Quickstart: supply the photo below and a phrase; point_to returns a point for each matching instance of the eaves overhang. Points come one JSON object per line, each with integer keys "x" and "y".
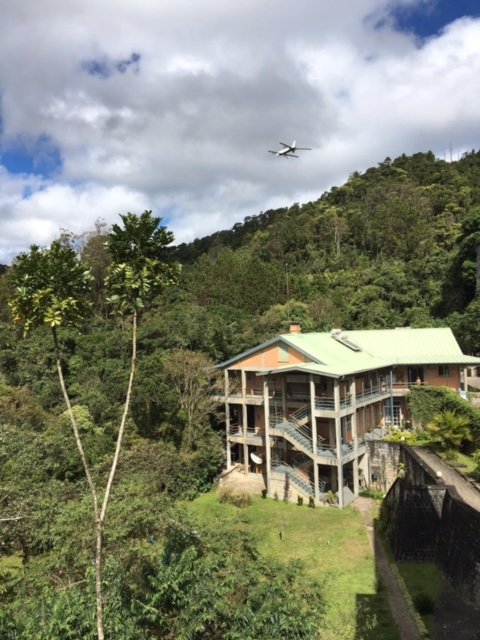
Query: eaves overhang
{"x": 328, "y": 371}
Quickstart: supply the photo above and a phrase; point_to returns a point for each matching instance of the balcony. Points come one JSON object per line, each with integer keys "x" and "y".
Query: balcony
{"x": 373, "y": 393}
{"x": 400, "y": 389}
{"x": 254, "y": 435}
{"x": 327, "y": 403}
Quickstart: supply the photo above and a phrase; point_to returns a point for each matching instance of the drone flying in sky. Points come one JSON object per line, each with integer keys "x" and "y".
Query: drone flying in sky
{"x": 288, "y": 150}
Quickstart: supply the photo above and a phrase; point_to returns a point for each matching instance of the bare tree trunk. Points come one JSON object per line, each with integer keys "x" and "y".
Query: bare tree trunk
{"x": 98, "y": 577}
{"x": 100, "y": 515}
{"x": 93, "y": 491}
{"x": 73, "y": 422}
{"x": 121, "y": 431}
{"x": 477, "y": 280}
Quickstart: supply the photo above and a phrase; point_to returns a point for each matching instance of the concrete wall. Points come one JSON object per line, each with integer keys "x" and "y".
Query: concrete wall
{"x": 458, "y": 551}
{"x": 426, "y": 521}
{"x": 413, "y": 515}
{"x": 383, "y": 463}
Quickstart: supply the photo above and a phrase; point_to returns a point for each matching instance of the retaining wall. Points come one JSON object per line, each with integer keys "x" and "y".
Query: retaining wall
{"x": 427, "y": 521}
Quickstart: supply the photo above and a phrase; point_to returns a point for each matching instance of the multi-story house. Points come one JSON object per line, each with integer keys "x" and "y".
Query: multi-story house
{"x": 302, "y": 405}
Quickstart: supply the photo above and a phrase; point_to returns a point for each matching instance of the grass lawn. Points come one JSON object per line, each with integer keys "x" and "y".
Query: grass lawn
{"x": 463, "y": 459}
{"x": 334, "y": 546}
{"x": 423, "y": 581}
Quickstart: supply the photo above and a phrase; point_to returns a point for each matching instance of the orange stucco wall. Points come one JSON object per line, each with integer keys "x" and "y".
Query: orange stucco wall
{"x": 270, "y": 357}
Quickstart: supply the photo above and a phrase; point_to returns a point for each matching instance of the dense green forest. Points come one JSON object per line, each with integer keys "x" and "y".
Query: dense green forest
{"x": 396, "y": 245}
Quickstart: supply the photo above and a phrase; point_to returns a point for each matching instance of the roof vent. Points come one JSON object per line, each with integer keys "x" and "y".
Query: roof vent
{"x": 339, "y": 336}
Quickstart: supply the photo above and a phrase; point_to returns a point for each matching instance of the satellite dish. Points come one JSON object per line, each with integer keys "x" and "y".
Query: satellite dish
{"x": 256, "y": 459}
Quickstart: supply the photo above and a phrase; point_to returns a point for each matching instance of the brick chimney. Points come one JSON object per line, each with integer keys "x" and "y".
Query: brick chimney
{"x": 295, "y": 327}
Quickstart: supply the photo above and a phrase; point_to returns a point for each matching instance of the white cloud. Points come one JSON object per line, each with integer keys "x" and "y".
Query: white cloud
{"x": 217, "y": 85}
{"x": 38, "y": 219}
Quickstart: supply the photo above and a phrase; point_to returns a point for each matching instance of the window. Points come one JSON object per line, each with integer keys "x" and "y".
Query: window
{"x": 443, "y": 370}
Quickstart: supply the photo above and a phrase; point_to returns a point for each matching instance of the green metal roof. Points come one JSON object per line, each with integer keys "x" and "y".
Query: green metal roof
{"x": 385, "y": 347}
{"x": 369, "y": 349}
{"x": 413, "y": 346}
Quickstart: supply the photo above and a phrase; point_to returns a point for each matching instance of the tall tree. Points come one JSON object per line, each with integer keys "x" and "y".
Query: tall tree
{"x": 52, "y": 288}
{"x": 192, "y": 376}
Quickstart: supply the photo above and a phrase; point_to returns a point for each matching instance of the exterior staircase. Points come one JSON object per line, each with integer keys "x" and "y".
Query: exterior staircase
{"x": 298, "y": 479}
{"x": 295, "y": 431}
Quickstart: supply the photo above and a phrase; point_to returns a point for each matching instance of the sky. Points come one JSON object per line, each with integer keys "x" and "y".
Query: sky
{"x": 110, "y": 106}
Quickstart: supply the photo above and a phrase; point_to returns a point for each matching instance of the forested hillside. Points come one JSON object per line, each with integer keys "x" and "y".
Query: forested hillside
{"x": 393, "y": 246}
{"x": 396, "y": 245}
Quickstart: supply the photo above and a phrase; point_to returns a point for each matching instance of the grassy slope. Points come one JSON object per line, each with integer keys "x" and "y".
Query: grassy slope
{"x": 334, "y": 546}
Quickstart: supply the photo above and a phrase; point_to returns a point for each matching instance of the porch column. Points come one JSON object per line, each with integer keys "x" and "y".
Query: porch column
{"x": 314, "y": 436}
{"x": 356, "y": 483}
{"x": 391, "y": 398}
{"x": 266, "y": 409}
{"x": 227, "y": 420}
{"x": 284, "y": 395}
{"x": 244, "y": 421}
{"x": 338, "y": 440}
{"x": 465, "y": 384}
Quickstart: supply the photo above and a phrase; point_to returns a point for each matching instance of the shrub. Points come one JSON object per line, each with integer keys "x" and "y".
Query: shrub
{"x": 237, "y": 497}
{"x": 311, "y": 502}
{"x": 332, "y": 498}
{"x": 264, "y": 493}
{"x": 372, "y": 493}
{"x": 423, "y": 603}
{"x": 300, "y": 501}
{"x": 396, "y": 435}
{"x": 450, "y": 455}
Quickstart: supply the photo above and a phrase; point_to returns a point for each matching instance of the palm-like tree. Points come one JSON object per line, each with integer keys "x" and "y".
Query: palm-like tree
{"x": 450, "y": 429}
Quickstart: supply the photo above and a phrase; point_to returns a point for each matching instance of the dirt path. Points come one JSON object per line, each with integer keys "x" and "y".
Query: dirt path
{"x": 400, "y": 611}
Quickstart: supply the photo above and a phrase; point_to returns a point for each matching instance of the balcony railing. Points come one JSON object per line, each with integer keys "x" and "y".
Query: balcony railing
{"x": 323, "y": 403}
{"x": 299, "y": 396}
{"x": 372, "y": 393}
{"x": 255, "y": 391}
{"x": 237, "y": 430}
{"x": 406, "y": 386}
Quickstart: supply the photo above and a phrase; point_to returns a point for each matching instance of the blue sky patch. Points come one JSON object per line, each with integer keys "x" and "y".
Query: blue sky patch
{"x": 105, "y": 68}
{"x": 97, "y": 68}
{"x": 428, "y": 19}
{"x": 39, "y": 157}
